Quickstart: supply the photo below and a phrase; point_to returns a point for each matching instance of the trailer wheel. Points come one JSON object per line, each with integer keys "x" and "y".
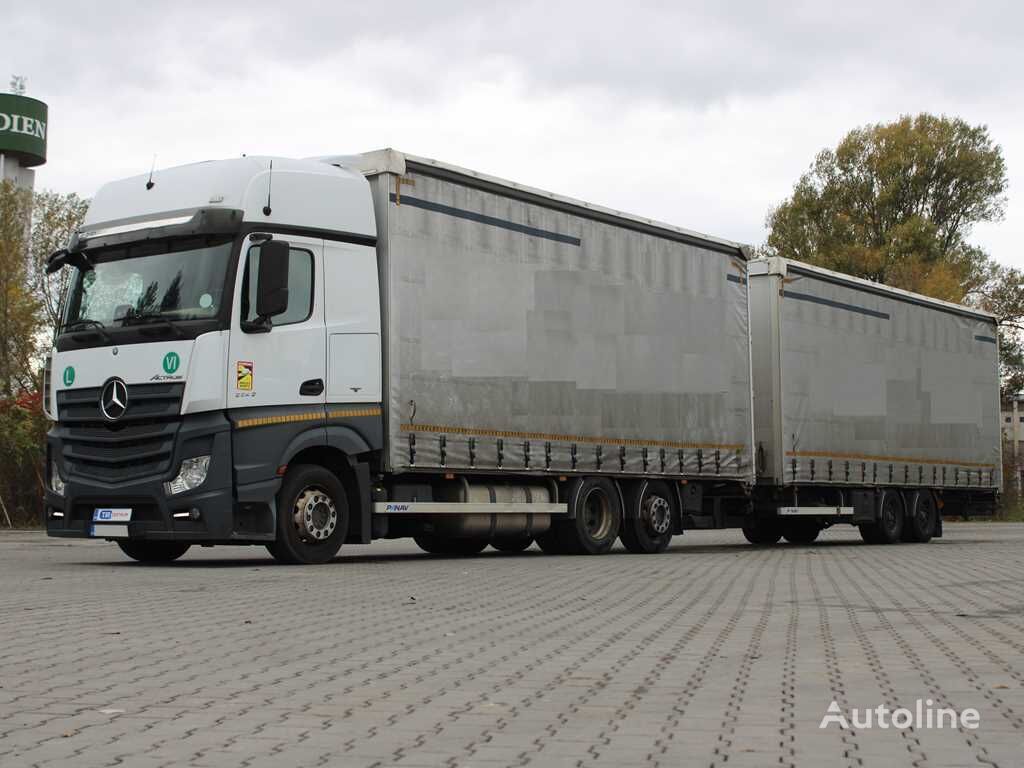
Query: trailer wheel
{"x": 597, "y": 520}
{"x": 888, "y": 528}
{"x": 511, "y": 543}
{"x": 920, "y": 525}
{"x": 801, "y": 531}
{"x": 443, "y": 545}
{"x": 153, "y": 551}
{"x": 762, "y": 530}
{"x": 647, "y": 526}
{"x": 312, "y": 516}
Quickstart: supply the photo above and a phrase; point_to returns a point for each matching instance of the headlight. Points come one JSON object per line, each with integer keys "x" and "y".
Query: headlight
{"x": 56, "y": 481}
{"x": 191, "y": 474}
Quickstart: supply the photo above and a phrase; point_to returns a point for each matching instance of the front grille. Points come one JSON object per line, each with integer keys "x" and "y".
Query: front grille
{"x": 139, "y": 444}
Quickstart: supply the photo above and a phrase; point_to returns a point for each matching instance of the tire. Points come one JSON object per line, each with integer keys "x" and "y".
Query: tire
{"x": 920, "y": 526}
{"x": 762, "y": 531}
{"x": 801, "y": 531}
{"x": 312, "y": 516}
{"x": 153, "y": 551}
{"x": 597, "y": 518}
{"x": 512, "y": 543}
{"x": 441, "y": 545}
{"x": 888, "y": 528}
{"x": 647, "y": 526}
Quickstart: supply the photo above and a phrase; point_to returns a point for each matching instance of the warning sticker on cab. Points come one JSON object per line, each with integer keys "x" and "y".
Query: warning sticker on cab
{"x": 243, "y": 373}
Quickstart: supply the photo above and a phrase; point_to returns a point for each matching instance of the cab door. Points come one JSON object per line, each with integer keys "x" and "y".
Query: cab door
{"x": 280, "y": 375}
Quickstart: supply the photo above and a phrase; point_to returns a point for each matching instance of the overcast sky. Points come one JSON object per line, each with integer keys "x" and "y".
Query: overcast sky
{"x": 699, "y": 114}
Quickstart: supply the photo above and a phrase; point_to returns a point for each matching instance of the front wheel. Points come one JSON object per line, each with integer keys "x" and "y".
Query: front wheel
{"x": 153, "y": 551}
{"x": 312, "y": 516}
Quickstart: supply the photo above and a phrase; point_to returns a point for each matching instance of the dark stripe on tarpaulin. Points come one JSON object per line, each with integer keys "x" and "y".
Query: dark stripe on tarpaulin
{"x": 462, "y": 213}
{"x": 835, "y": 304}
{"x": 735, "y": 279}
{"x": 986, "y": 339}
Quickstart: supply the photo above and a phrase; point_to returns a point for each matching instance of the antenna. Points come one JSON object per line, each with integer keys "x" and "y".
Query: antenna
{"x": 270, "y": 183}
{"x": 150, "y": 184}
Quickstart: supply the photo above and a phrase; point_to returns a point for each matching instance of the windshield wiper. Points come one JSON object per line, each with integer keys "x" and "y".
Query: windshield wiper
{"x": 147, "y": 318}
{"x": 89, "y": 323}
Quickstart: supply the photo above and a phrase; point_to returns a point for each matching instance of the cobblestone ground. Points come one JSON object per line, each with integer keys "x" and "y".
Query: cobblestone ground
{"x": 715, "y": 653}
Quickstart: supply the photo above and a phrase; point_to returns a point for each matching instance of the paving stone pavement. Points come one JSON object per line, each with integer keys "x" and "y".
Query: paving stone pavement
{"x": 714, "y": 653}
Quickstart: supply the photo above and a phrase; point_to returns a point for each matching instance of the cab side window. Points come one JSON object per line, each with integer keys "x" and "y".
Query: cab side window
{"x": 300, "y": 286}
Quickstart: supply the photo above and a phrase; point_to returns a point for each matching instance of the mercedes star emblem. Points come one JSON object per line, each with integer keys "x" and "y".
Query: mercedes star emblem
{"x": 114, "y": 399}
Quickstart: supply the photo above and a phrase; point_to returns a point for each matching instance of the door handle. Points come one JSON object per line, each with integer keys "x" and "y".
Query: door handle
{"x": 312, "y": 388}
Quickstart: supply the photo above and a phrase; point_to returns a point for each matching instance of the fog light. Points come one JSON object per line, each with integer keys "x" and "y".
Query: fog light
{"x": 56, "y": 481}
{"x": 191, "y": 474}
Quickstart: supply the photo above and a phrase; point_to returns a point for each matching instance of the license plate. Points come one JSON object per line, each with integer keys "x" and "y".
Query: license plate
{"x": 109, "y": 515}
{"x": 109, "y": 531}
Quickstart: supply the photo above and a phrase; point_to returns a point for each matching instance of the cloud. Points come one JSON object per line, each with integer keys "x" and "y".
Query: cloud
{"x": 702, "y": 114}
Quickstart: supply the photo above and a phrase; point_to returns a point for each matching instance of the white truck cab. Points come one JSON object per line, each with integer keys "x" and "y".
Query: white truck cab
{"x": 174, "y": 401}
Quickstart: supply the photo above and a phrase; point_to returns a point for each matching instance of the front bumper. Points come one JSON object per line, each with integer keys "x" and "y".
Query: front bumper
{"x": 210, "y": 514}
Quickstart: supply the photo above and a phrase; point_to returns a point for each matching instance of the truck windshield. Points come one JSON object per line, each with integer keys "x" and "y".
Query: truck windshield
{"x": 169, "y": 280}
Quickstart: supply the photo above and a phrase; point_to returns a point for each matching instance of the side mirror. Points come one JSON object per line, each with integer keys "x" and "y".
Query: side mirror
{"x": 272, "y": 283}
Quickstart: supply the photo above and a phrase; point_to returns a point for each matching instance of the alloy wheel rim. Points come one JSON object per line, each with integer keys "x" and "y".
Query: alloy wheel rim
{"x": 657, "y": 514}
{"x": 315, "y": 515}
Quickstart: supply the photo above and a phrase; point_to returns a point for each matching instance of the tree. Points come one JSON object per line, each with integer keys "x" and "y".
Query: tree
{"x": 54, "y": 218}
{"x": 895, "y": 203}
{"x": 30, "y": 229}
{"x": 19, "y": 309}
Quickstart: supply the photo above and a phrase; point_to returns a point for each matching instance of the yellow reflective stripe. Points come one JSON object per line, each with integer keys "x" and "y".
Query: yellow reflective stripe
{"x": 291, "y": 418}
{"x": 262, "y": 421}
{"x": 347, "y": 413}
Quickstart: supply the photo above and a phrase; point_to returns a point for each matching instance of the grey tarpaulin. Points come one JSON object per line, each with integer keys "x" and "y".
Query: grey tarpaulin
{"x": 516, "y": 331}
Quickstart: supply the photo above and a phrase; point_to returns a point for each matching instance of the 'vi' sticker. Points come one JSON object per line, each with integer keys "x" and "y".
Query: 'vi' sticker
{"x": 243, "y": 371}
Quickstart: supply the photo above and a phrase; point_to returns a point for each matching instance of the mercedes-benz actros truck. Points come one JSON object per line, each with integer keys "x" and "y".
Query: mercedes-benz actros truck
{"x": 308, "y": 353}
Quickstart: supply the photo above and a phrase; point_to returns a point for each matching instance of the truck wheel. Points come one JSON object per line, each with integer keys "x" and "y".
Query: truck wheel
{"x": 153, "y": 551}
{"x": 920, "y": 526}
{"x": 312, "y": 516}
{"x": 598, "y": 517}
{"x": 888, "y": 528}
{"x": 511, "y": 543}
{"x": 801, "y": 531}
{"x": 647, "y": 528}
{"x": 762, "y": 530}
{"x": 441, "y": 545}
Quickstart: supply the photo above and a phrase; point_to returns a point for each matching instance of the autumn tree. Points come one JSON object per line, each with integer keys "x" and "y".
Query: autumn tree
{"x": 55, "y": 217}
{"x": 19, "y": 309}
{"x": 895, "y": 203}
{"x": 30, "y": 229}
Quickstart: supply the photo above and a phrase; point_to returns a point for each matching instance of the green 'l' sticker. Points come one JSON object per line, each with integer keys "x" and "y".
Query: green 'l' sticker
{"x": 171, "y": 362}
{"x": 69, "y": 376}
